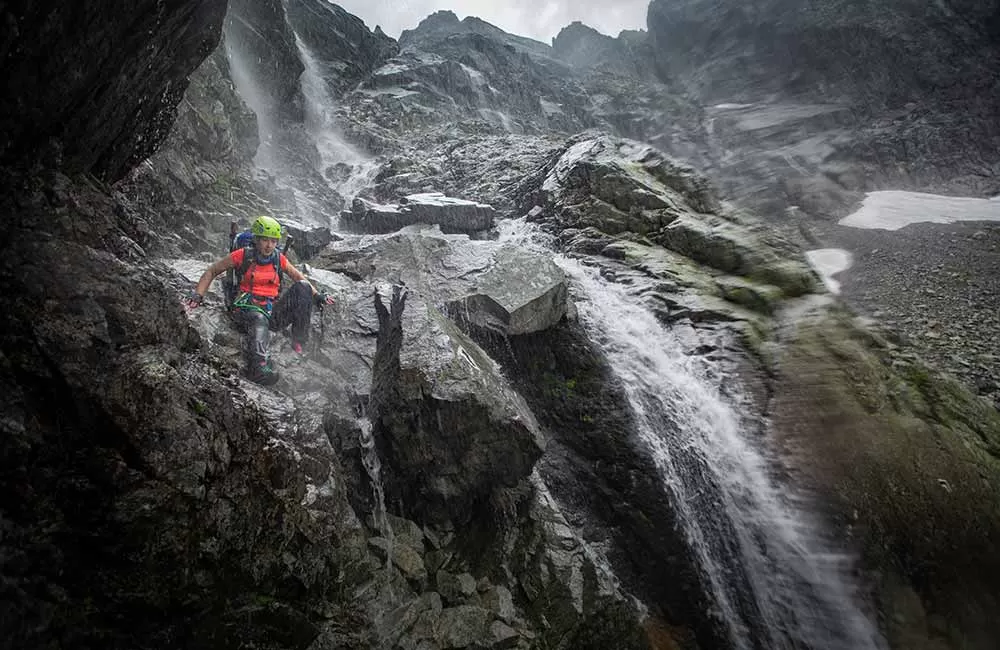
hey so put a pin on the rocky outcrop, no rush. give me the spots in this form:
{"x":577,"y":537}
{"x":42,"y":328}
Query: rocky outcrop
{"x":424,"y":395}
{"x":915,"y":87}
{"x":99,"y":126}
{"x":909,"y":461}
{"x":624,"y":188}
{"x":433,"y":208}
{"x":584,"y":47}
{"x":619,"y":186}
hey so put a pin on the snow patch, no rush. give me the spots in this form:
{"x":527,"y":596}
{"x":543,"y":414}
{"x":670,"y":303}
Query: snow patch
{"x":893,"y":209}
{"x":828,"y":262}
{"x":730,"y":107}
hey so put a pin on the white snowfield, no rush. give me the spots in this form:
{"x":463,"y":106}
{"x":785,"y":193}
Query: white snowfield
{"x":828,"y":262}
{"x":892,"y":210}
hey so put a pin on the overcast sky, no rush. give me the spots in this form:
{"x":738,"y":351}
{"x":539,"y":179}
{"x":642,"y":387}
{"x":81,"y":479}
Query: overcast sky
{"x":539,"y":19}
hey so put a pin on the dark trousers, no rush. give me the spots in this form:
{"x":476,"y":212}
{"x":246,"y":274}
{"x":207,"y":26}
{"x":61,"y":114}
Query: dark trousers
{"x":294,"y":307}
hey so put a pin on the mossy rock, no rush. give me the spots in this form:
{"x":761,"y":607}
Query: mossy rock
{"x":763,"y":298}
{"x":793,"y":277}
{"x":907,"y":461}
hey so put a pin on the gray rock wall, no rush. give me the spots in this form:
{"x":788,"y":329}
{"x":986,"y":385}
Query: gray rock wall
{"x":102,"y":79}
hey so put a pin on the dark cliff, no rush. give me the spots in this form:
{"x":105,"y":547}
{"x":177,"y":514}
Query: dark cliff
{"x":101,"y":79}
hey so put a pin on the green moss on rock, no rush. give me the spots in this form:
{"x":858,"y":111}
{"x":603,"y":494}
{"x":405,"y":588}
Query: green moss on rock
{"x":908,"y":461}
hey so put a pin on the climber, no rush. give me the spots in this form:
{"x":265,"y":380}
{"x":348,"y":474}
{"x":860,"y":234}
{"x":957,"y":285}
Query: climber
{"x":257,"y":307}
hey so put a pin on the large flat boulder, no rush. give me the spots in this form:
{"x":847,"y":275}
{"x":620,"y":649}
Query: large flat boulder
{"x":522,"y":292}
{"x":489,"y":285}
{"x":451,"y":214}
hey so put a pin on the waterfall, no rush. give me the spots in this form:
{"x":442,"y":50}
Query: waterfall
{"x":335,"y":153}
{"x":315,"y":170}
{"x":373,"y":467}
{"x":255,"y":96}
{"x":759,"y":552}
{"x":775,"y":582}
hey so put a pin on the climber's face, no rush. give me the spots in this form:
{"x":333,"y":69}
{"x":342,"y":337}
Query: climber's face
{"x":266,"y":245}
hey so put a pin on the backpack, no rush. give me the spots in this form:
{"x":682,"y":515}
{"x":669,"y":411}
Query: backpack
{"x":244,"y":240}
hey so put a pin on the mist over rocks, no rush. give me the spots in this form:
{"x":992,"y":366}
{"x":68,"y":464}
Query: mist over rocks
{"x":918,"y":83}
{"x":460,"y":459}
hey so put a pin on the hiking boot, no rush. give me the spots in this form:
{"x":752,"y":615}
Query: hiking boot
{"x":263,"y":374}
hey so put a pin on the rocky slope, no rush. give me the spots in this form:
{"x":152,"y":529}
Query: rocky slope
{"x":457,"y":461}
{"x":914,"y":86}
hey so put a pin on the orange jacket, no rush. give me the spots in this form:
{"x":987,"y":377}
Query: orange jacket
{"x":260,"y":279}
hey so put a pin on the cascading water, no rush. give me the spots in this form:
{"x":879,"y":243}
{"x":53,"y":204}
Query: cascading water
{"x":309,"y":161}
{"x":373,"y":467}
{"x":322,"y":124}
{"x":335,"y":152}
{"x":774,"y":582}
{"x":252,"y":93}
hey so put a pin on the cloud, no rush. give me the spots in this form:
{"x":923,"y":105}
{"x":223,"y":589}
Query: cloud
{"x":539,"y":19}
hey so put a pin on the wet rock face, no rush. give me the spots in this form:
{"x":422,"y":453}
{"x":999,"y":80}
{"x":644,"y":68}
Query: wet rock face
{"x":878,"y":52}
{"x":119,"y":493}
{"x":350,"y":56}
{"x":595,"y":465}
{"x":101,"y":79}
{"x":266,"y":38}
{"x":454,"y":430}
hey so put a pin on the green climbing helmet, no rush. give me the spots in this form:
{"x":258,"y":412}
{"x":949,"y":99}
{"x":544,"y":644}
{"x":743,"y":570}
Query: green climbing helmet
{"x":266,"y":227}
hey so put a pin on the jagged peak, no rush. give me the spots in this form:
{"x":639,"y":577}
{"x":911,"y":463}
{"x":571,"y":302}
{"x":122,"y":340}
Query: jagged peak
{"x":575,"y":32}
{"x":440,"y":17}
{"x":444,"y":23}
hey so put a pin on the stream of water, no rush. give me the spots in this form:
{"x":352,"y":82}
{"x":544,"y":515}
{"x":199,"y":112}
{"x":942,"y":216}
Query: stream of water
{"x":373,"y":467}
{"x":776,"y":583}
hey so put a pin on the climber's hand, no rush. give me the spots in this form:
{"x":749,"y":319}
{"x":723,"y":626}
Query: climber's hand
{"x":193,"y":300}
